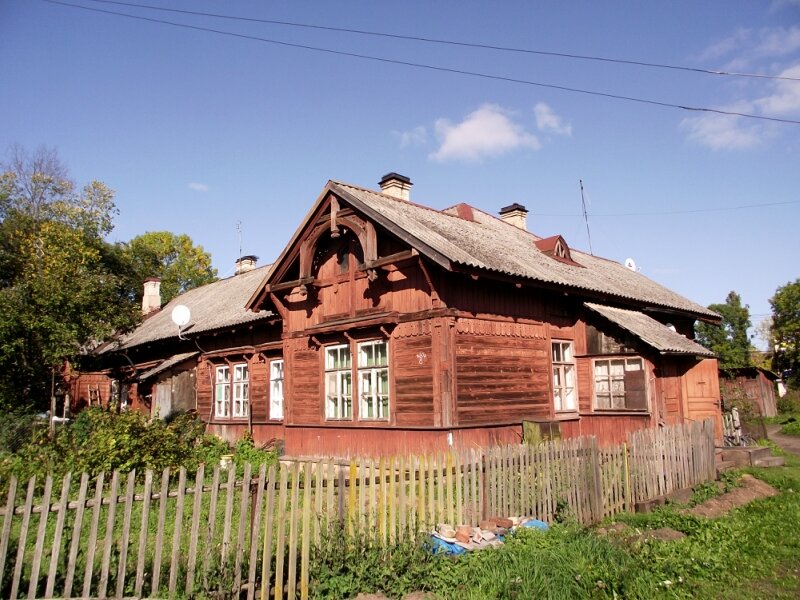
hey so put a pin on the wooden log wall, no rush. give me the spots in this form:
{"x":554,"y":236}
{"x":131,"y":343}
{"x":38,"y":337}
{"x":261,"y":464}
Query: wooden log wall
{"x":502,"y":372}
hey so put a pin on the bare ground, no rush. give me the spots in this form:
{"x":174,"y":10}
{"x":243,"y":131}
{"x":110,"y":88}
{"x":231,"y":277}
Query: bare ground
{"x":750,"y":489}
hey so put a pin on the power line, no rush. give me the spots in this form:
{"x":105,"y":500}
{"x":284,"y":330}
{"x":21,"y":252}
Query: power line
{"x":433,"y":67}
{"x":429,"y":40}
{"x":674,"y":212}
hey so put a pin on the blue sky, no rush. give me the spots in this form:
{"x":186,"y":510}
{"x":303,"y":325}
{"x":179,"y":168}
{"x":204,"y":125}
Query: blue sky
{"x":198,"y":131}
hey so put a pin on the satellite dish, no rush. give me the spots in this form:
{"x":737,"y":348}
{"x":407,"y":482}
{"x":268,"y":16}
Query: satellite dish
{"x":181,"y":315}
{"x":630,"y":264}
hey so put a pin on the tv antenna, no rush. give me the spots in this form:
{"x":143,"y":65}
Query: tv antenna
{"x":239,"y":232}
{"x":586,"y":218}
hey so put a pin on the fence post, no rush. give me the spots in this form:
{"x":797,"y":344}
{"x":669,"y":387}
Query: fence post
{"x":627,"y":475}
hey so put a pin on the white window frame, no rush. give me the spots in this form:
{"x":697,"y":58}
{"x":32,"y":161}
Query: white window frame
{"x":373,"y":380}
{"x":612,"y":385}
{"x":222,"y":391}
{"x":565,"y":390}
{"x":276,"y":378}
{"x":241,"y":391}
{"x":338,"y":383}
{"x":232,"y":391}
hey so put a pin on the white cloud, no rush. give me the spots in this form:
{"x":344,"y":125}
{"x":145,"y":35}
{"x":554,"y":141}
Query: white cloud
{"x":784,"y":100}
{"x":727,"y":45}
{"x":486,"y":132}
{"x":778,"y":41}
{"x":549,"y":122}
{"x":198,"y":187}
{"x":748,"y":48}
{"x":722,"y":132}
{"x":414,"y":137}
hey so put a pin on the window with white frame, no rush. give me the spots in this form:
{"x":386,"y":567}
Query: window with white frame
{"x":222,"y":392}
{"x":620,"y":384}
{"x":338,"y":382}
{"x":241,"y":391}
{"x":565,"y":397}
{"x":373,"y":379}
{"x":276,"y":389}
{"x":232,"y":397}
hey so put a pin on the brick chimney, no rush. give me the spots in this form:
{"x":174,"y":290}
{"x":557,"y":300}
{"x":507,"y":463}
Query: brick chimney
{"x":398,"y":186}
{"x":151,"y":298}
{"x":516,"y":215}
{"x":245,"y":264}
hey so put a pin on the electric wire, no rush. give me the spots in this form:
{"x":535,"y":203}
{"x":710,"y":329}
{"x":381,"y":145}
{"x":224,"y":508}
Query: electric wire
{"x":698,"y":109}
{"x":671,"y":212}
{"x":430,"y":40}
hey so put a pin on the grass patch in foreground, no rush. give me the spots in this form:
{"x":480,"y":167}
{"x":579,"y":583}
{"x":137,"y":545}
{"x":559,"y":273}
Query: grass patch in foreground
{"x":753,"y":552}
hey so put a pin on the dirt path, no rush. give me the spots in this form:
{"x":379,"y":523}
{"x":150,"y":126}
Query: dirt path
{"x":789,"y":443}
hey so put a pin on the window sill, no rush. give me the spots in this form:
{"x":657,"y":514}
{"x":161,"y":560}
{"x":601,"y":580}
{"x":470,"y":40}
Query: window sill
{"x":570,"y":415}
{"x":617,"y":412}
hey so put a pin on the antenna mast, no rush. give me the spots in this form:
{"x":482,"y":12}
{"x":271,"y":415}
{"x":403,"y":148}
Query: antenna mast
{"x":239,"y":232}
{"x":586,"y":218}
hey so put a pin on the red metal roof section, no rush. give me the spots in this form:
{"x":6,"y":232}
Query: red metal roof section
{"x":464,"y":211}
{"x":556,"y":247}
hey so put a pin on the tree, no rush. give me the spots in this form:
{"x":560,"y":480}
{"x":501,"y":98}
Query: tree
{"x":728,"y":340}
{"x":57,"y":292}
{"x":172,"y":258}
{"x":786,"y":332}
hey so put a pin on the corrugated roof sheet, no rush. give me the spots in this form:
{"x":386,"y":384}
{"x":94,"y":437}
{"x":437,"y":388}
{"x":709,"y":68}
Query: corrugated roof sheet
{"x":650,"y":331}
{"x":213,"y":306}
{"x":487,"y":242}
{"x":166,"y":364}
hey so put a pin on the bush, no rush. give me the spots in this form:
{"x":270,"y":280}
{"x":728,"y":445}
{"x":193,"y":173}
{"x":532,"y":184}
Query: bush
{"x":104,"y":440}
{"x":790,"y":403}
{"x":792,"y":428}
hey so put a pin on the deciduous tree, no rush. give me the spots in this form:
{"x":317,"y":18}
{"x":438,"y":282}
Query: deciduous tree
{"x":786,"y":332}
{"x":173,"y":258}
{"x":728,"y":340}
{"x":57,"y":292}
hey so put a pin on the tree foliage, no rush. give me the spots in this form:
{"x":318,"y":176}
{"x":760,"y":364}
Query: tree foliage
{"x":728,"y":340}
{"x":786,"y":332}
{"x":57,"y":290}
{"x":172,"y":258}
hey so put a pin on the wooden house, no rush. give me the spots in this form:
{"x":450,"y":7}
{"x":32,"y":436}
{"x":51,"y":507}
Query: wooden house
{"x":386,"y":326}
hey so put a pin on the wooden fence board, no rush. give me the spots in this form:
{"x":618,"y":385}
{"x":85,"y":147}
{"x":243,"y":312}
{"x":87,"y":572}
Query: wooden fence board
{"x":197,"y":510}
{"x":143,"y":529}
{"x":126,"y":532}
{"x":40,"y":537}
{"x":159,"y":542}
{"x":76,"y":535}
{"x":177,"y":530}
{"x":92,"y":541}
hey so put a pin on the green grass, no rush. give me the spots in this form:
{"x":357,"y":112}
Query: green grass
{"x":753,"y":552}
{"x":792,"y":428}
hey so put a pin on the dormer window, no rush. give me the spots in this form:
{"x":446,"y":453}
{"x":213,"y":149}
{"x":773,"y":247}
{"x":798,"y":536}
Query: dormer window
{"x":556,"y":247}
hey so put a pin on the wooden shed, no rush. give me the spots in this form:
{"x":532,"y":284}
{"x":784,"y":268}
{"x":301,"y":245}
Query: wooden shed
{"x":751,"y":384}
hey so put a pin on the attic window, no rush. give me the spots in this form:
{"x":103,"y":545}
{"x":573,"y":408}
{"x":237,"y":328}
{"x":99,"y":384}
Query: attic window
{"x":556,"y":247}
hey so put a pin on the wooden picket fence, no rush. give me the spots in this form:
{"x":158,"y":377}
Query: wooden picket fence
{"x":173,"y":534}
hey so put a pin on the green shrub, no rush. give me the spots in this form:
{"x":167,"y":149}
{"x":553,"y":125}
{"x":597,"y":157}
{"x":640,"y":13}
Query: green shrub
{"x":790,"y":403}
{"x":104,"y":440}
{"x":792,"y":428}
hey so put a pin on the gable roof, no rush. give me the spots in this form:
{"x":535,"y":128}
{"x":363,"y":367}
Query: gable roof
{"x":487,"y":243}
{"x":654,"y":334}
{"x":212,"y":306}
